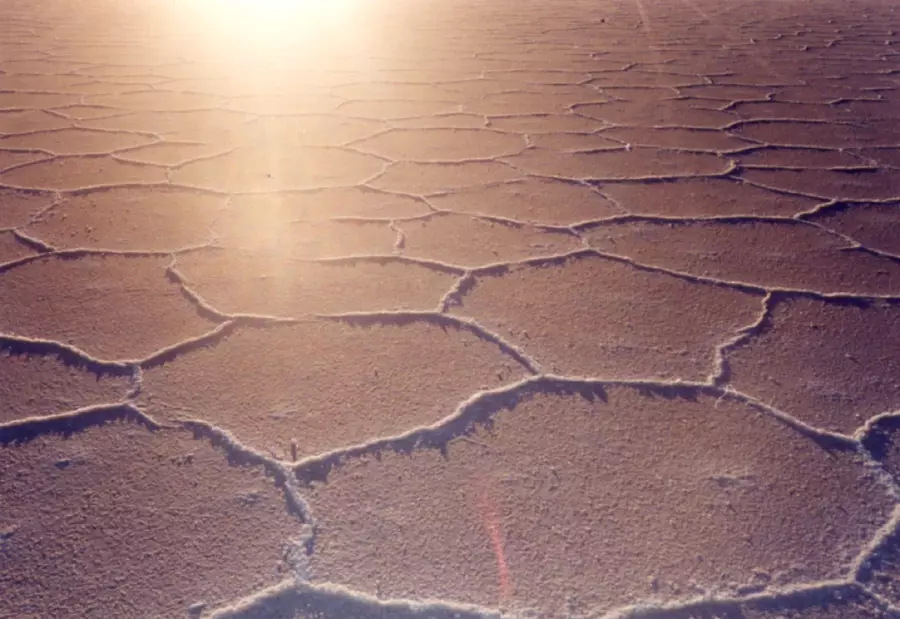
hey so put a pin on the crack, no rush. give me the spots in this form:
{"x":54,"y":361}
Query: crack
{"x":131,"y":368}
{"x":666,"y":219}
{"x":400,"y":239}
{"x":70,"y":355}
{"x":501,"y":268}
{"x":862,"y":567}
{"x":795,"y":597}
{"x":69,"y":423}
{"x":137,"y":383}
{"x":721,"y":368}
{"x":366,"y":319}
{"x":697,"y":279}
{"x":435,"y":265}
{"x":203,"y":308}
{"x":32,"y":242}
{"x":794,"y":192}
{"x":874,"y":440}
{"x":453,"y":297}
{"x":480,"y":409}
{"x":169,"y":353}
{"x":891,"y":610}
{"x":331,"y":601}
{"x":88,"y":188}
{"x":144,"y":185}
{"x":825,"y":438}
{"x":76,"y":253}
{"x":241,"y":455}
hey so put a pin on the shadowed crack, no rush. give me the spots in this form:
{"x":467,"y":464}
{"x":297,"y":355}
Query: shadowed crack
{"x":70,"y":355}
{"x":454,"y":296}
{"x":444,"y":321}
{"x":793,"y":599}
{"x":884,"y":542}
{"x":562,"y":259}
{"x":294,"y":599}
{"x":721,"y":375}
{"x":204,"y":309}
{"x":33,"y":242}
{"x":480,"y":409}
{"x":75,"y":254}
{"x":70,"y":423}
{"x":241,"y":455}
{"x":169,"y":353}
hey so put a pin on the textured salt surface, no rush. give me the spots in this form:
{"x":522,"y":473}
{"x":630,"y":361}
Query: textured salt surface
{"x":454,"y":309}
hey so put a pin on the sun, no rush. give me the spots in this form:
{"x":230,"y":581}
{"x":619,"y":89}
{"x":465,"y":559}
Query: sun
{"x":277,"y":14}
{"x":241,"y":30}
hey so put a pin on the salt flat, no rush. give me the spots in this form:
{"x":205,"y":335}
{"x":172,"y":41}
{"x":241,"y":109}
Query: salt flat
{"x":425,"y":310}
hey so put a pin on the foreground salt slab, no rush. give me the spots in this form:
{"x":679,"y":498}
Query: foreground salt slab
{"x":632,"y":317}
{"x":324,"y":385}
{"x":561,"y":507}
{"x":37,"y":386}
{"x":843,"y":357}
{"x":111,"y":307}
{"x":876,"y":226}
{"x":121,"y":521}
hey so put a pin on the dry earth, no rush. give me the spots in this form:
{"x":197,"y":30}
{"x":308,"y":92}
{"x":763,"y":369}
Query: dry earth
{"x":412,"y":309}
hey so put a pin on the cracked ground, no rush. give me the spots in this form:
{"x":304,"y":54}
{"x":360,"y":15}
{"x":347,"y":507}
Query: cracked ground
{"x":407,"y":309}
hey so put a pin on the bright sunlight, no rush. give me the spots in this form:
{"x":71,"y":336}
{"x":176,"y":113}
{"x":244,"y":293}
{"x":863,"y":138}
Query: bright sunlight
{"x":270,"y":28}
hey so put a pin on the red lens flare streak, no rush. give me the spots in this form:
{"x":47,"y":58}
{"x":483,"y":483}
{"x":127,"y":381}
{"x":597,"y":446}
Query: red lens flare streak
{"x":487,"y":510}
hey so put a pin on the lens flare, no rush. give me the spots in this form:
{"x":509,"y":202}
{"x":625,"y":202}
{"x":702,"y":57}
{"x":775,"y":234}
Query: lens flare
{"x":492,"y":524}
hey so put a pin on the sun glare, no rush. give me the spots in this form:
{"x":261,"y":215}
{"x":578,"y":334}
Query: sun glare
{"x":249,"y":33}
{"x":278,"y":14}
{"x":271,"y":24}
